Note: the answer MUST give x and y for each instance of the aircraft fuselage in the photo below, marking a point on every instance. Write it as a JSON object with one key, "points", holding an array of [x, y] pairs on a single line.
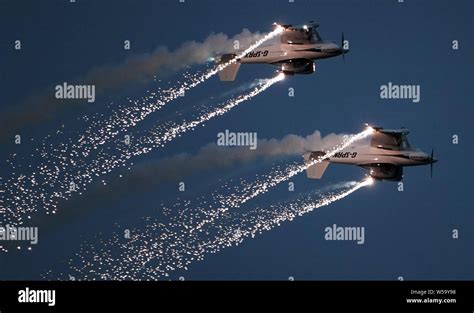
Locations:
{"points": [[281, 53], [373, 155]]}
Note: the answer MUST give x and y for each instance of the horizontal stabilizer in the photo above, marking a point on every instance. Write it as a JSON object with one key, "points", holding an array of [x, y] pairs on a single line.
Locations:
{"points": [[317, 170], [230, 72]]}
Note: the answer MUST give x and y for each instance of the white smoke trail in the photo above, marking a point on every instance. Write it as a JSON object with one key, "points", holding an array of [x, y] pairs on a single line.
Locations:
{"points": [[144, 67], [222, 66], [294, 170], [212, 157], [156, 250]]}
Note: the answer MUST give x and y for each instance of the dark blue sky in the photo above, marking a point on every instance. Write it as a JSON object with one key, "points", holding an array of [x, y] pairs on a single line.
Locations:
{"points": [[407, 233]]}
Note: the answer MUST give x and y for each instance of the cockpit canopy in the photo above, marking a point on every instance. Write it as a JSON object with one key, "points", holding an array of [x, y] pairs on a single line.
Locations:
{"points": [[404, 145], [391, 140], [299, 35]]}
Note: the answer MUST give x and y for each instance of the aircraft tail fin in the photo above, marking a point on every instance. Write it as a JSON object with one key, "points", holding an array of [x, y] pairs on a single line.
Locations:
{"points": [[230, 72], [317, 170]]}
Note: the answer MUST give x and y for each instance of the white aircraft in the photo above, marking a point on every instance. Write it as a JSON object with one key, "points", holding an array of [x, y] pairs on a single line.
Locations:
{"points": [[299, 46], [385, 157]]}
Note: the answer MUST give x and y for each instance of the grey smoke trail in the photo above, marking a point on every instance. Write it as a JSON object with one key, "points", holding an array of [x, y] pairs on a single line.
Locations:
{"points": [[212, 157], [42, 106], [145, 67]]}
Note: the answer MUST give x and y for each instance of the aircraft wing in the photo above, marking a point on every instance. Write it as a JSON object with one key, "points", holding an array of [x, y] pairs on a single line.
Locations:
{"points": [[390, 139]]}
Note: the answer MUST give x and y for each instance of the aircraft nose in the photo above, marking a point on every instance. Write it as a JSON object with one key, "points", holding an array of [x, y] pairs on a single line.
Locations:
{"points": [[341, 48]]}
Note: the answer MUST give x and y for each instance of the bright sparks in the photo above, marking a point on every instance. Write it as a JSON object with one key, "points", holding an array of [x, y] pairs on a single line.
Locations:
{"points": [[64, 173], [175, 131], [129, 116], [157, 250], [370, 180]]}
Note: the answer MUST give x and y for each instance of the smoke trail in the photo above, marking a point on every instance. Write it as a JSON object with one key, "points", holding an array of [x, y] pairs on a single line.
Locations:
{"points": [[145, 67], [212, 157], [296, 169], [26, 194], [156, 250], [41, 106]]}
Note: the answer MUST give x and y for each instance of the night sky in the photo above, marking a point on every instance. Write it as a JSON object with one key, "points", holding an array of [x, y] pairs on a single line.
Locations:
{"points": [[407, 234]]}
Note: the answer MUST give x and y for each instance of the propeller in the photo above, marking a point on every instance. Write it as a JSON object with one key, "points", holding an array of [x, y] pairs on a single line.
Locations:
{"points": [[431, 164], [342, 47]]}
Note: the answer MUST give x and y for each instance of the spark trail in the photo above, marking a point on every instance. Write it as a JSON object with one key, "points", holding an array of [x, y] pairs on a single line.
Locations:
{"points": [[129, 116], [256, 221], [156, 250], [58, 160], [42, 189], [76, 153], [175, 131]]}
